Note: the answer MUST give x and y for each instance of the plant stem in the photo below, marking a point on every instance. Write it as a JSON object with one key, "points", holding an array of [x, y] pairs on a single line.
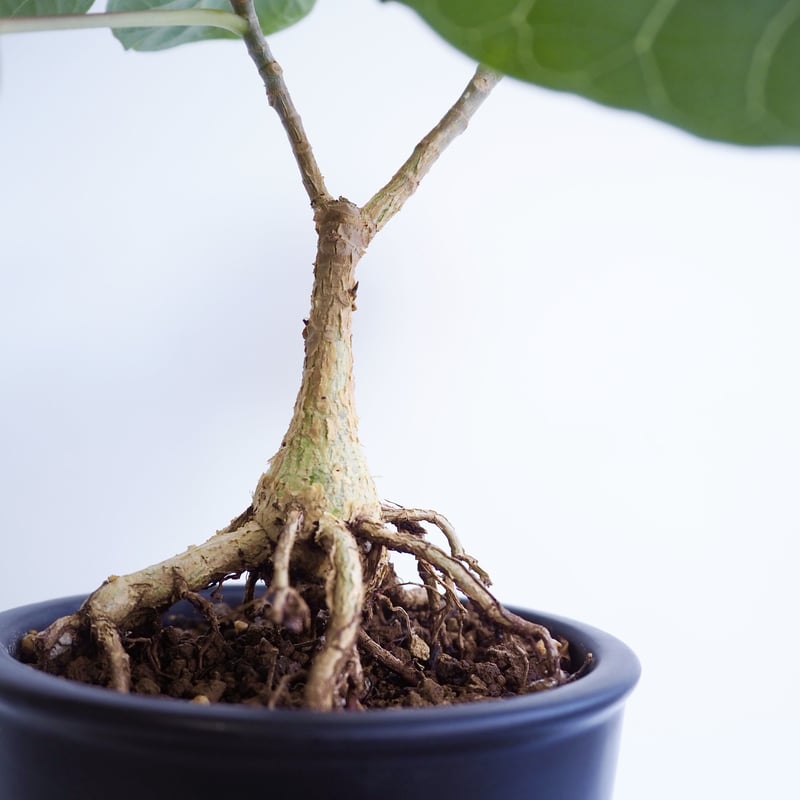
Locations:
{"points": [[128, 19], [390, 199], [320, 466], [279, 98]]}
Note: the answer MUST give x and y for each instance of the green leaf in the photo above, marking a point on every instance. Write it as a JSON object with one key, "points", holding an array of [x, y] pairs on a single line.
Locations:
{"points": [[722, 69], [274, 15], [43, 8]]}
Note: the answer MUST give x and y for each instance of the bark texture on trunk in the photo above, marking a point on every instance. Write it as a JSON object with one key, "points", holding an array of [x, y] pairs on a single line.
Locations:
{"points": [[320, 466]]}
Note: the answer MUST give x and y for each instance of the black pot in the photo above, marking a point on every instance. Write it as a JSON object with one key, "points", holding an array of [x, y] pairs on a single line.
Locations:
{"points": [[60, 739]]}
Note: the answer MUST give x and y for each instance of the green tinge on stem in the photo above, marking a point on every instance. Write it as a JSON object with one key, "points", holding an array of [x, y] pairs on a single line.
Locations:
{"points": [[128, 19]]}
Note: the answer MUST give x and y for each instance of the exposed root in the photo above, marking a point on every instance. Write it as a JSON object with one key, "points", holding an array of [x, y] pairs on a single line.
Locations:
{"points": [[133, 599], [287, 606], [467, 582], [351, 607], [407, 673], [283, 685], [121, 604], [405, 620], [110, 645], [59, 637], [345, 599], [403, 519]]}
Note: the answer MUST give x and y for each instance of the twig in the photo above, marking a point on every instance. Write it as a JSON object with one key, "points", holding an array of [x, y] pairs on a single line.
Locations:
{"points": [[279, 98], [390, 199]]}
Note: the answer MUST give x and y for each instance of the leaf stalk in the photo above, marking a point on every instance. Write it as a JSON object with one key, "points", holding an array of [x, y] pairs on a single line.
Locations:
{"points": [[128, 19]]}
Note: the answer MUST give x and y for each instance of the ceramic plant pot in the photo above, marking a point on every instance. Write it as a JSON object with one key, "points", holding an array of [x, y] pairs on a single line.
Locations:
{"points": [[60, 739]]}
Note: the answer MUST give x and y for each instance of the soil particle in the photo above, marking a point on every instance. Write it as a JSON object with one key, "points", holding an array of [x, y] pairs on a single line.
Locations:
{"points": [[242, 657]]}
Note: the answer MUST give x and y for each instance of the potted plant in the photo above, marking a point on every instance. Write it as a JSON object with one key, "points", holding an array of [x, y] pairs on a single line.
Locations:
{"points": [[323, 513]]}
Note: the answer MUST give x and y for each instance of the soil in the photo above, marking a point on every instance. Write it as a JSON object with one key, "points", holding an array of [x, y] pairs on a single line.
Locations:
{"points": [[238, 655]]}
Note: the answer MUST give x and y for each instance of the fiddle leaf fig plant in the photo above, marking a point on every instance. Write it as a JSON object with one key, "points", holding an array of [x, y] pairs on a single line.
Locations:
{"points": [[316, 533]]}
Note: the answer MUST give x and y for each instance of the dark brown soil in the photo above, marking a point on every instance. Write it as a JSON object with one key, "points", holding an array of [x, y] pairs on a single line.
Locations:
{"points": [[237, 655]]}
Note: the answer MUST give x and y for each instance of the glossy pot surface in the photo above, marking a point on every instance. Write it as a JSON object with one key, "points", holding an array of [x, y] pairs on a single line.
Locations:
{"points": [[60, 739]]}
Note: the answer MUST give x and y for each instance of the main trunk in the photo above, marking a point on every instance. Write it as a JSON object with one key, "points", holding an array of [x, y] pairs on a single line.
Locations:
{"points": [[320, 467]]}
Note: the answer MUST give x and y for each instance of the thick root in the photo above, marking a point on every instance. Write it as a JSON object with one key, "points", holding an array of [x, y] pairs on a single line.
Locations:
{"points": [[286, 605], [345, 597], [123, 603]]}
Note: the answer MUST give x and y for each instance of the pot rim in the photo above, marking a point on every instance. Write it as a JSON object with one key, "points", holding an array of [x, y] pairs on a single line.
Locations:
{"points": [[613, 674]]}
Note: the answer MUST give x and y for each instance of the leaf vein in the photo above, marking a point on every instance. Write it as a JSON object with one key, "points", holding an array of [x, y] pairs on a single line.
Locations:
{"points": [[643, 43], [761, 60]]}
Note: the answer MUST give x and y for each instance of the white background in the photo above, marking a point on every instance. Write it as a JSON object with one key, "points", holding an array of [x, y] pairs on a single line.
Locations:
{"points": [[579, 341]]}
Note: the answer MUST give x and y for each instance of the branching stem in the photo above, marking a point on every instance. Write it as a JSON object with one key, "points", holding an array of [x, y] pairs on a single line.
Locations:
{"points": [[279, 98], [390, 199]]}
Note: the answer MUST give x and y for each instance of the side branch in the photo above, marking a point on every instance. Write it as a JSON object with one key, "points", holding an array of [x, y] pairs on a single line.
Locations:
{"points": [[390, 199], [280, 99]]}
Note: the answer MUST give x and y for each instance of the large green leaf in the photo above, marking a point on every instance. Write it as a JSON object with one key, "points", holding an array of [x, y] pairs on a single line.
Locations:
{"points": [[723, 69], [43, 8], [274, 15]]}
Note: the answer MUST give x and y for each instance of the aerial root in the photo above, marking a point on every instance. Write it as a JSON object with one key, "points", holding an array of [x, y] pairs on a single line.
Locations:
{"points": [[453, 569], [409, 519], [286, 605], [338, 658]]}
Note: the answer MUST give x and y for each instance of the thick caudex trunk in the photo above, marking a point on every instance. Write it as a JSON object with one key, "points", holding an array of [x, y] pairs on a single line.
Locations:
{"points": [[320, 467], [318, 482]]}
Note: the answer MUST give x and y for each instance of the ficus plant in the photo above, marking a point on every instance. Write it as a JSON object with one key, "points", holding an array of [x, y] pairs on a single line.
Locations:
{"points": [[316, 532]]}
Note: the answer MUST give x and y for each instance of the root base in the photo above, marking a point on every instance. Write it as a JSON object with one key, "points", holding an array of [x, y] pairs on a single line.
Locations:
{"points": [[241, 656]]}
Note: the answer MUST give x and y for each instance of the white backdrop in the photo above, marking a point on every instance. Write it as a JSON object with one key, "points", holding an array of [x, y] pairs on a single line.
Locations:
{"points": [[579, 341]]}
